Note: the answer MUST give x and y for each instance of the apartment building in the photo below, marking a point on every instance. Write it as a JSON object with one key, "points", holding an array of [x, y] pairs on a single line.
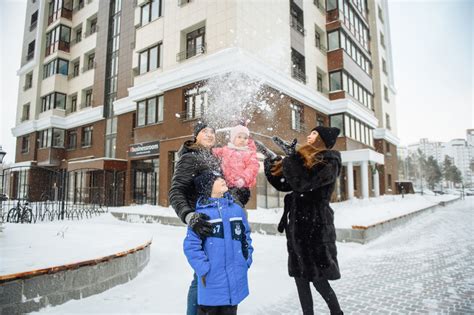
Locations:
{"points": [[111, 89]]}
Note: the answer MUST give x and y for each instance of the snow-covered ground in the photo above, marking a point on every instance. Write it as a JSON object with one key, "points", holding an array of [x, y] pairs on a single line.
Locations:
{"points": [[347, 213], [379, 275], [25, 247]]}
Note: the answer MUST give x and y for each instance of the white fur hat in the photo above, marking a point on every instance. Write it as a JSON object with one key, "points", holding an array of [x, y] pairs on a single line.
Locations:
{"points": [[234, 131]]}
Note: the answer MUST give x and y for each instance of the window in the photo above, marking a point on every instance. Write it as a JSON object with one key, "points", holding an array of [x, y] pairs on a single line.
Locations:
{"points": [[149, 59], [25, 114], [58, 138], [90, 62], [195, 42], [25, 144], [296, 16], [387, 147], [320, 121], [75, 68], [296, 117], [31, 51], [57, 66], [44, 138], [150, 111], [93, 26], [380, 13], [87, 136], [335, 81], [387, 121], [79, 34], [88, 98], [382, 40], [111, 137], [53, 100], [71, 140], [150, 11], [298, 66], [58, 39], [73, 103], [196, 102], [331, 5], [34, 20], [333, 40], [389, 181], [385, 93], [384, 66], [319, 81], [338, 122], [317, 38], [28, 81]]}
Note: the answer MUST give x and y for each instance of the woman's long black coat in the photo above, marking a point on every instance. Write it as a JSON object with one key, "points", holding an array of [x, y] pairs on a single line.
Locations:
{"points": [[310, 231]]}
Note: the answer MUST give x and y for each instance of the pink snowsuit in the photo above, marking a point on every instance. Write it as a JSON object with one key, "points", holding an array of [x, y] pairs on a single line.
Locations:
{"points": [[239, 164]]}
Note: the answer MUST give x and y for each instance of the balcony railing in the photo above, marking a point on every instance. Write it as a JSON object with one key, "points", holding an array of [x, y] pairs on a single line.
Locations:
{"points": [[297, 25], [61, 45], [64, 12], [183, 2], [30, 55], [298, 74], [320, 5], [33, 25], [89, 67], [186, 54]]}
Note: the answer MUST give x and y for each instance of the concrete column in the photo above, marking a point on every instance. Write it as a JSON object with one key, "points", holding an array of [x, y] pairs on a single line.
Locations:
{"points": [[350, 181], [376, 183], [364, 172]]}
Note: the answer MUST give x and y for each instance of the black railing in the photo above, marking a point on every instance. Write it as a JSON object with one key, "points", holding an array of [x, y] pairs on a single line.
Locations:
{"points": [[34, 194], [298, 74], [297, 25], [186, 54]]}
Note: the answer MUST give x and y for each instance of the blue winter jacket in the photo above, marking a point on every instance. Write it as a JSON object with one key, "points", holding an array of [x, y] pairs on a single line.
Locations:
{"points": [[225, 256]]}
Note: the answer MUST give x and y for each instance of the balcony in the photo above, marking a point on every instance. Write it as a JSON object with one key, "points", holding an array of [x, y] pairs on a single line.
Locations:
{"points": [[33, 25], [297, 25], [186, 54], [30, 55], [298, 74]]}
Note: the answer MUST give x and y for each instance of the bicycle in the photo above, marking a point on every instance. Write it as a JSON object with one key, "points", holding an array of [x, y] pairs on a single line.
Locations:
{"points": [[20, 214]]}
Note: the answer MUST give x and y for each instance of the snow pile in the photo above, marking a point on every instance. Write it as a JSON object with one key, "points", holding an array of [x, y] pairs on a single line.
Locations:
{"points": [[347, 213], [375, 210], [26, 247]]}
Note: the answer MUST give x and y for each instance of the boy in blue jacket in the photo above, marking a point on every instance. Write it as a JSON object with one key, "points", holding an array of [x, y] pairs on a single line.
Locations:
{"points": [[221, 260]]}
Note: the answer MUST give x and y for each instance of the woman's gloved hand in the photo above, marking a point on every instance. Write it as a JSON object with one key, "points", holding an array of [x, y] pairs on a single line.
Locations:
{"points": [[288, 148]]}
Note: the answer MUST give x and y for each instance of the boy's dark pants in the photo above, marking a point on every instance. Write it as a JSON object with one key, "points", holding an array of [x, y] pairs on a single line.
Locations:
{"points": [[217, 310]]}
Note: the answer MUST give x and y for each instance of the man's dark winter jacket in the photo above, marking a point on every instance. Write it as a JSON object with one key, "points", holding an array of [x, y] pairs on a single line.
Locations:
{"points": [[192, 161], [310, 231]]}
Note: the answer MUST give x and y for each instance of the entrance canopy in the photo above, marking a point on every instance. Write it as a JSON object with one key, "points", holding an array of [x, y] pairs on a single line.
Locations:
{"points": [[362, 157]]}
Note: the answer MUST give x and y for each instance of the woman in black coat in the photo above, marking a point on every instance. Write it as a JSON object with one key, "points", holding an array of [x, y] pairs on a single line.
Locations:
{"points": [[310, 174]]}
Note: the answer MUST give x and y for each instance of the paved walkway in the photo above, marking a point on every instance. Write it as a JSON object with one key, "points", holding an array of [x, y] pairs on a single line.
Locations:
{"points": [[426, 266]]}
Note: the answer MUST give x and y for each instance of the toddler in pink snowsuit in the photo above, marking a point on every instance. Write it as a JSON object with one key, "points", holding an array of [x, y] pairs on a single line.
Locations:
{"points": [[239, 163]]}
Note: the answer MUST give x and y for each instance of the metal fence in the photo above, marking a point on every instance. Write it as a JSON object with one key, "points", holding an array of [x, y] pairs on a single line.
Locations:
{"points": [[33, 194]]}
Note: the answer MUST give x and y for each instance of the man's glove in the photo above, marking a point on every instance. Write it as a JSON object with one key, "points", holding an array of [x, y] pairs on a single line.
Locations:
{"points": [[265, 151], [288, 148], [199, 224]]}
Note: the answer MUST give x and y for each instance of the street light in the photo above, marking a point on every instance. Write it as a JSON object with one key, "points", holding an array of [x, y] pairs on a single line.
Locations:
{"points": [[2, 154]]}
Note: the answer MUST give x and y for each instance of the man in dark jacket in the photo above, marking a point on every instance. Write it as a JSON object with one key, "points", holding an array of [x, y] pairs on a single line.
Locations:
{"points": [[195, 157]]}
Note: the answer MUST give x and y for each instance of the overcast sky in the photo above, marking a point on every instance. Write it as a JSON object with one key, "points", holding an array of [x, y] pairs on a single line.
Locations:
{"points": [[432, 44]]}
